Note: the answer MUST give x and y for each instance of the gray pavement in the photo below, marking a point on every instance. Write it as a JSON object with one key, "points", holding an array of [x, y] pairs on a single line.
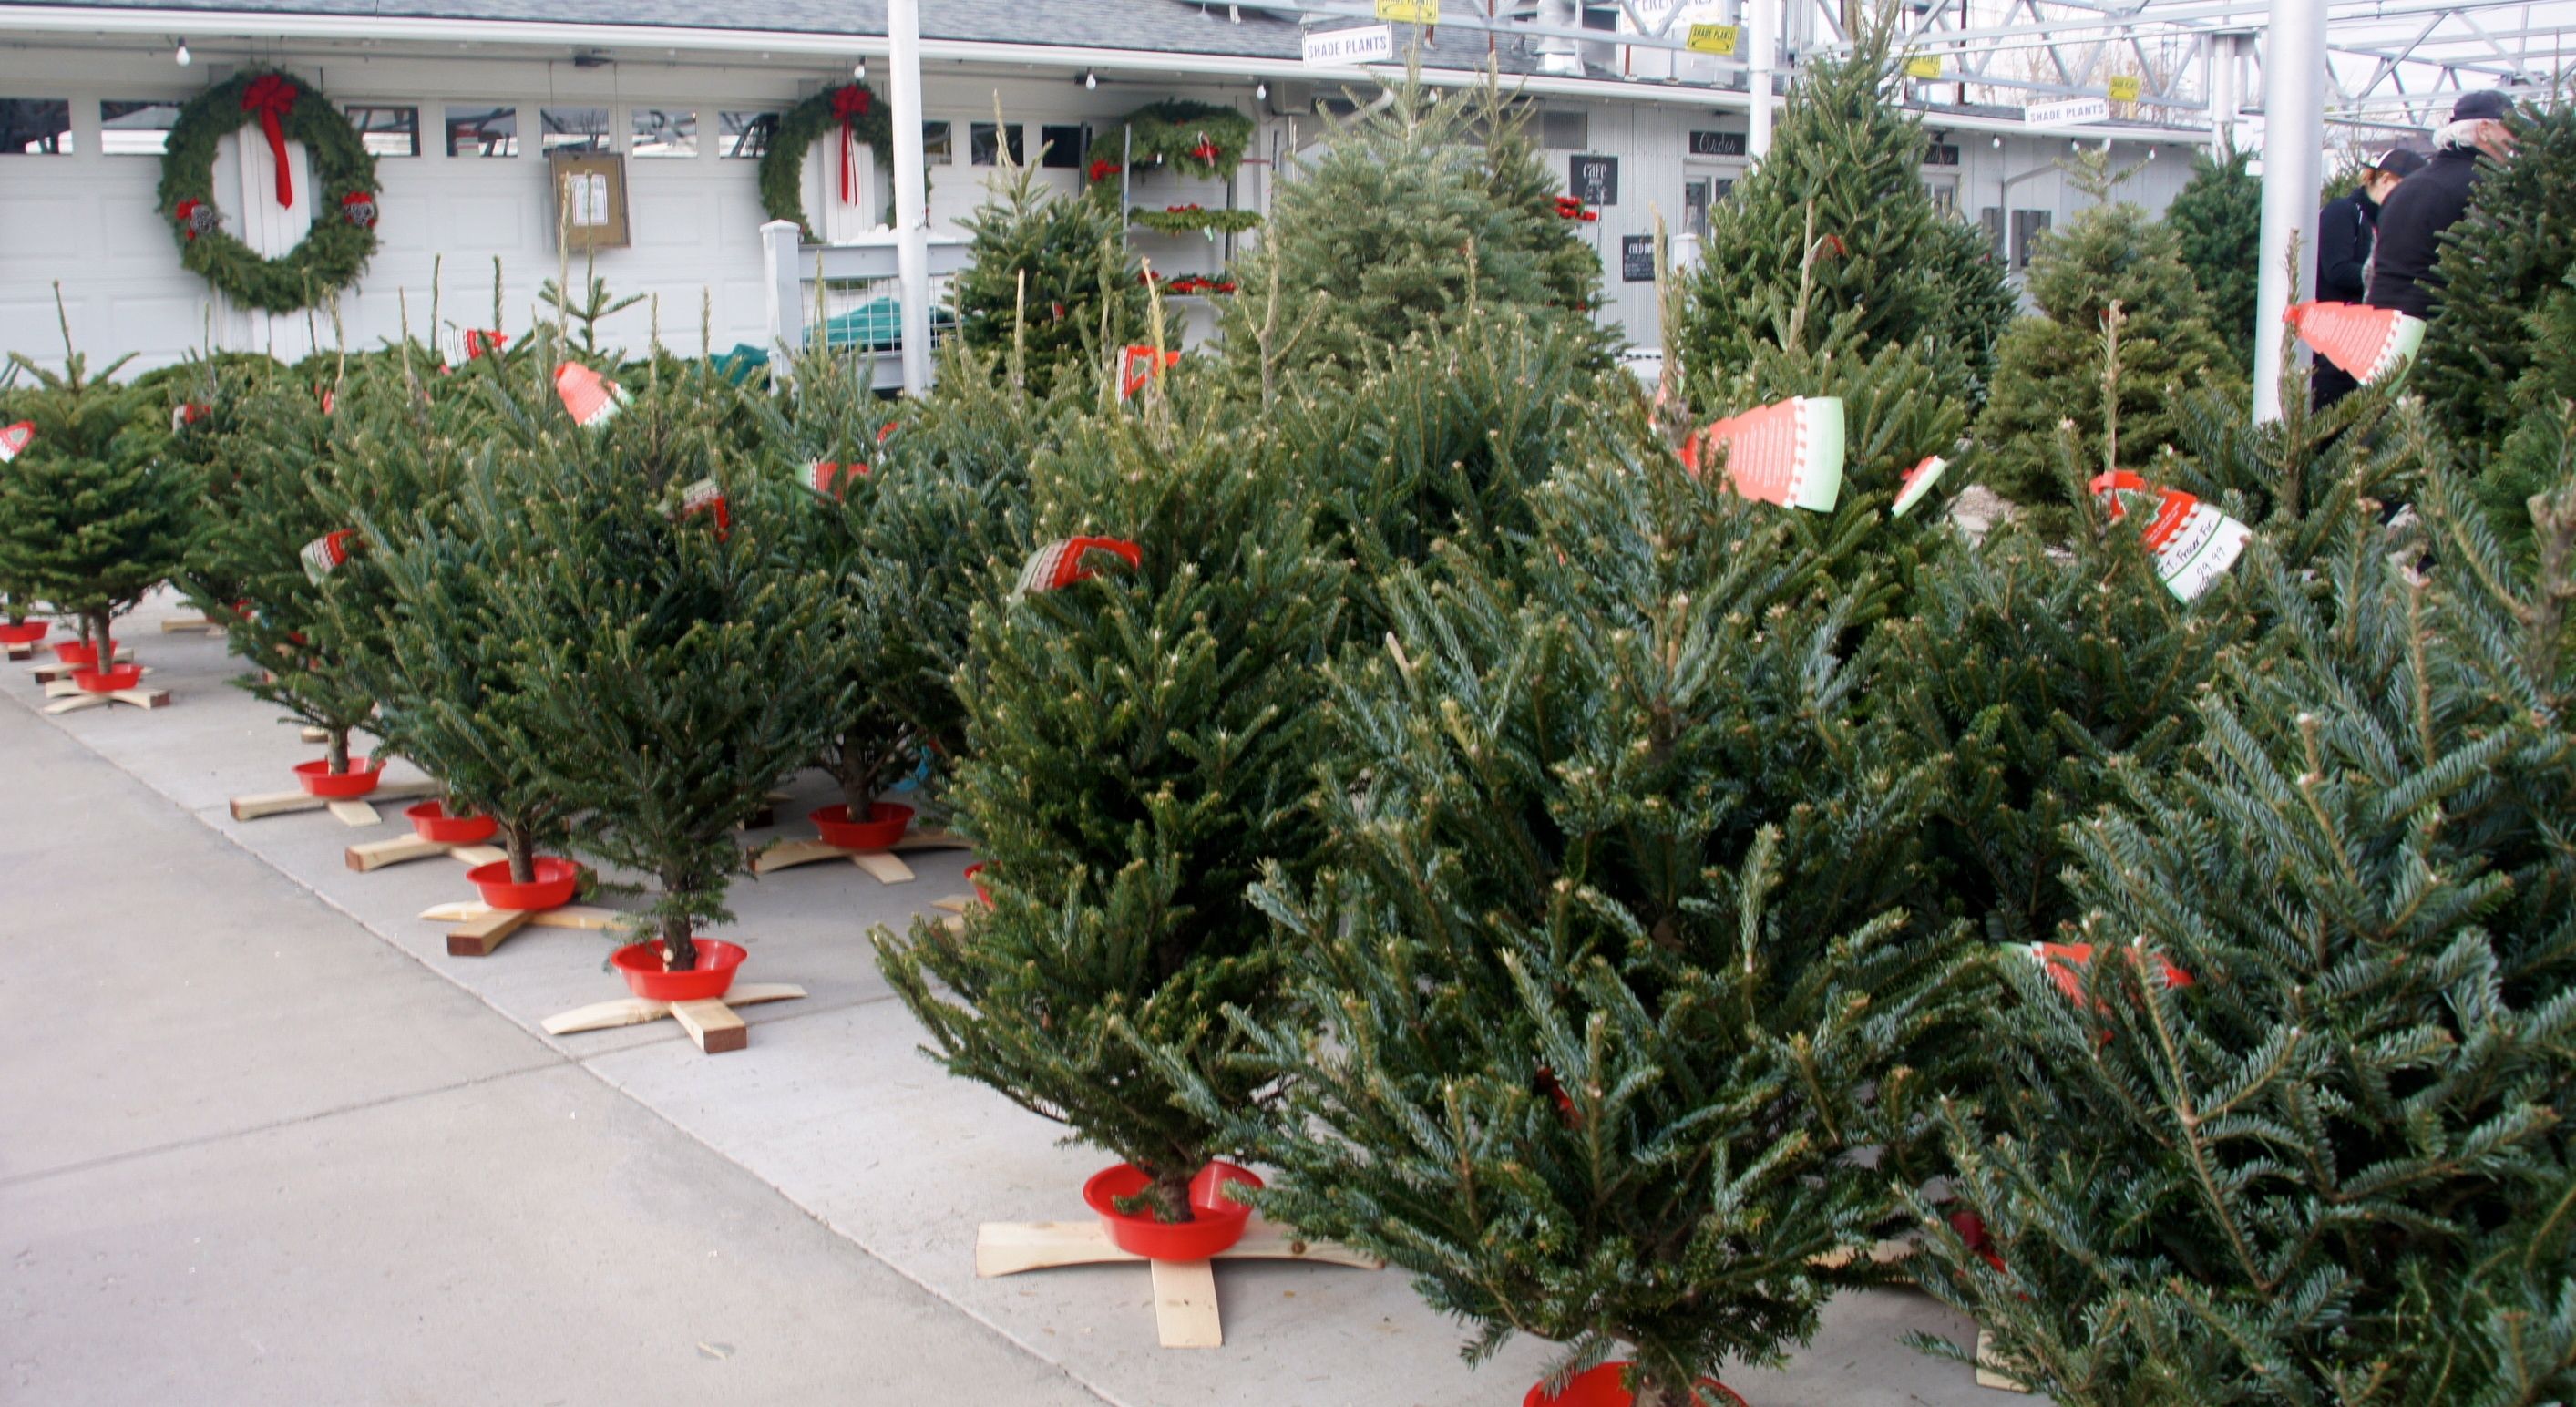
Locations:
{"points": [[262, 1140]]}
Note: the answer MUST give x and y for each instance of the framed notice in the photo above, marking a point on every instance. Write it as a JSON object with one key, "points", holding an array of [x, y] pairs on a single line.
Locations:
{"points": [[590, 198], [1636, 258], [1594, 180]]}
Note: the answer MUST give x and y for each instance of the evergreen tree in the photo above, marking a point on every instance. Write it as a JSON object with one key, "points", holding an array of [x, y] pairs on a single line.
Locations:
{"points": [[2332, 1167], [2050, 371], [2537, 454], [1137, 742], [1416, 212], [1049, 290], [2500, 263], [2217, 220], [1845, 168], [1613, 971], [91, 518]]}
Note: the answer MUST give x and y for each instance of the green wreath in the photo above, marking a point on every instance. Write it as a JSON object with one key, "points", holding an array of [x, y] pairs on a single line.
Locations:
{"points": [[782, 167], [1198, 139], [343, 233]]}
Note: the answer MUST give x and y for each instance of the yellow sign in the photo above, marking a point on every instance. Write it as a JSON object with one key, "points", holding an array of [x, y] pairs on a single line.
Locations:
{"points": [[2124, 88], [1409, 11], [1926, 67], [1710, 39]]}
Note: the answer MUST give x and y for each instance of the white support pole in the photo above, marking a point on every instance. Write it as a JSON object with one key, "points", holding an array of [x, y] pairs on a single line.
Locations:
{"points": [[1761, 41], [2294, 137], [911, 198], [785, 300], [2224, 95]]}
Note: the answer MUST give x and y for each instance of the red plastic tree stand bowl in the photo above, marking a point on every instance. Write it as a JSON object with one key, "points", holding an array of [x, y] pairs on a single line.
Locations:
{"points": [[1218, 1219], [646, 976], [885, 825], [107, 681], [316, 779], [80, 656], [556, 879], [430, 821], [26, 633], [1600, 1387], [982, 895]]}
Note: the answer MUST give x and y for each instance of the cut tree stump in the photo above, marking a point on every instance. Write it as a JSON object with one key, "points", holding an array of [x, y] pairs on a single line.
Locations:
{"points": [[314, 735], [1185, 1309], [280, 803], [712, 1025], [884, 866], [480, 928]]}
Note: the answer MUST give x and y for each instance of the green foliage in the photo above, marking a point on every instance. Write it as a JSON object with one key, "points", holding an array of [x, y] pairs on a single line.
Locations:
{"points": [[2537, 454], [1171, 132], [2050, 370], [2333, 1169], [1082, 298], [1400, 226], [2217, 219], [782, 167], [1191, 219], [1613, 969], [1844, 175], [1137, 743], [331, 253], [2500, 263]]}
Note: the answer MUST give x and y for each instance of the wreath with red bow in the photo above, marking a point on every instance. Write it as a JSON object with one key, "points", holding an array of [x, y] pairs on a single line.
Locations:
{"points": [[343, 235], [850, 116]]}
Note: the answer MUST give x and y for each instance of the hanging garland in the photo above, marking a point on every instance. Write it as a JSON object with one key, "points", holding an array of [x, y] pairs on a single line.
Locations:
{"points": [[344, 226], [852, 116], [1193, 219], [1198, 139]]}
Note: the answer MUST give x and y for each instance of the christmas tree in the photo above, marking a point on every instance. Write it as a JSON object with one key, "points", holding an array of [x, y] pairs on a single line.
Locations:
{"points": [[1050, 289], [2537, 454], [2504, 258], [2217, 220], [1139, 737], [2049, 370], [1845, 168], [1613, 971], [207, 400], [1416, 211], [2312, 1032], [91, 517]]}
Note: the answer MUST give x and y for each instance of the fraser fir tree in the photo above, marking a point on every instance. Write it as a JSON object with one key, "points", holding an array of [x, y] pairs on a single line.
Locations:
{"points": [[1138, 741], [2500, 263], [1614, 969], [2331, 1168], [1415, 212], [1049, 290], [2537, 454], [2049, 369], [2217, 220]]}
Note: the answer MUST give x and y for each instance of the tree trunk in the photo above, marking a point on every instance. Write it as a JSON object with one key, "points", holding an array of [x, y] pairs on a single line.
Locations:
{"points": [[1171, 1194], [336, 752], [94, 625], [523, 854], [679, 949], [1653, 1391]]}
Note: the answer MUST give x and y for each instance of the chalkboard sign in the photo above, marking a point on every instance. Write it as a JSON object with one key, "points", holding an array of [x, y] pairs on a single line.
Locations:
{"points": [[1594, 180], [1637, 258], [1717, 144]]}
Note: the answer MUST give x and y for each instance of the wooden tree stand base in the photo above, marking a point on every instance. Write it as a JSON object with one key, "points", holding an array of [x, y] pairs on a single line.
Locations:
{"points": [[359, 812], [196, 625], [313, 735], [56, 672], [1184, 1290], [480, 928], [884, 866], [711, 1024], [1992, 1368], [376, 854], [71, 698]]}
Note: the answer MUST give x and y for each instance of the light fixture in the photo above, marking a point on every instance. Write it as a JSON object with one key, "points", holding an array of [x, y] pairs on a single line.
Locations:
{"points": [[1999, 143], [183, 57], [1090, 79], [1261, 92]]}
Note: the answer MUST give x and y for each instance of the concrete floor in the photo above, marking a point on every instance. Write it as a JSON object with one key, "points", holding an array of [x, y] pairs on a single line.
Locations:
{"points": [[262, 1140]]}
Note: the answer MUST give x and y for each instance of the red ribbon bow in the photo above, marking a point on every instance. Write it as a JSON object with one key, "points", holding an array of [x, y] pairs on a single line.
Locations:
{"points": [[270, 96], [849, 104]]}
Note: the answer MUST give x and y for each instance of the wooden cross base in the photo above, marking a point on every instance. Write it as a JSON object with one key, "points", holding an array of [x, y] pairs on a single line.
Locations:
{"points": [[884, 866], [480, 928], [356, 812], [711, 1024], [184, 624], [1993, 1370], [55, 671], [1185, 1313], [70, 698], [376, 854]]}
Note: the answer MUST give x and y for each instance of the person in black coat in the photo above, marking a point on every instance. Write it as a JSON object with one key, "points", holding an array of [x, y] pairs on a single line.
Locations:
{"points": [[2346, 231], [2431, 201]]}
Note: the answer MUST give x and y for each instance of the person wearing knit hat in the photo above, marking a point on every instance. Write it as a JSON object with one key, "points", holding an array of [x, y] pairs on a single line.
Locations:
{"points": [[2347, 230], [2432, 200]]}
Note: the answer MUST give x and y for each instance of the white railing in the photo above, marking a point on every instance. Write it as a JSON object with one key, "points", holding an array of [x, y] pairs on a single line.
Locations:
{"points": [[849, 294]]}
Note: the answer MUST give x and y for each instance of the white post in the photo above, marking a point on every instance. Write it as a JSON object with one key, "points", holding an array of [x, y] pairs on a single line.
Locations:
{"points": [[2224, 99], [2294, 138], [1761, 20], [911, 198], [785, 303]]}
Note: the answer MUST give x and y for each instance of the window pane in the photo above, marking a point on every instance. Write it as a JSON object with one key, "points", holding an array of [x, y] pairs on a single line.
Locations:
{"points": [[35, 127], [572, 129], [482, 131], [388, 131], [1064, 148], [934, 144], [747, 135], [983, 144], [139, 127], [661, 131]]}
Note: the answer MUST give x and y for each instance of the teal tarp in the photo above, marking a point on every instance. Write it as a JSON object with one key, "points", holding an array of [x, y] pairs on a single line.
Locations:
{"points": [[878, 325]]}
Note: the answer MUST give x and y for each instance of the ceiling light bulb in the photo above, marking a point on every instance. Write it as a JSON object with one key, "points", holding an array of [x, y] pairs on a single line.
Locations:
{"points": [[1260, 92], [1999, 144], [183, 56], [1090, 79], [859, 70]]}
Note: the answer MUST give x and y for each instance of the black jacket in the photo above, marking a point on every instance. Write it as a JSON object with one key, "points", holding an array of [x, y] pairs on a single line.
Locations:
{"points": [[2410, 231], [2344, 233]]}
